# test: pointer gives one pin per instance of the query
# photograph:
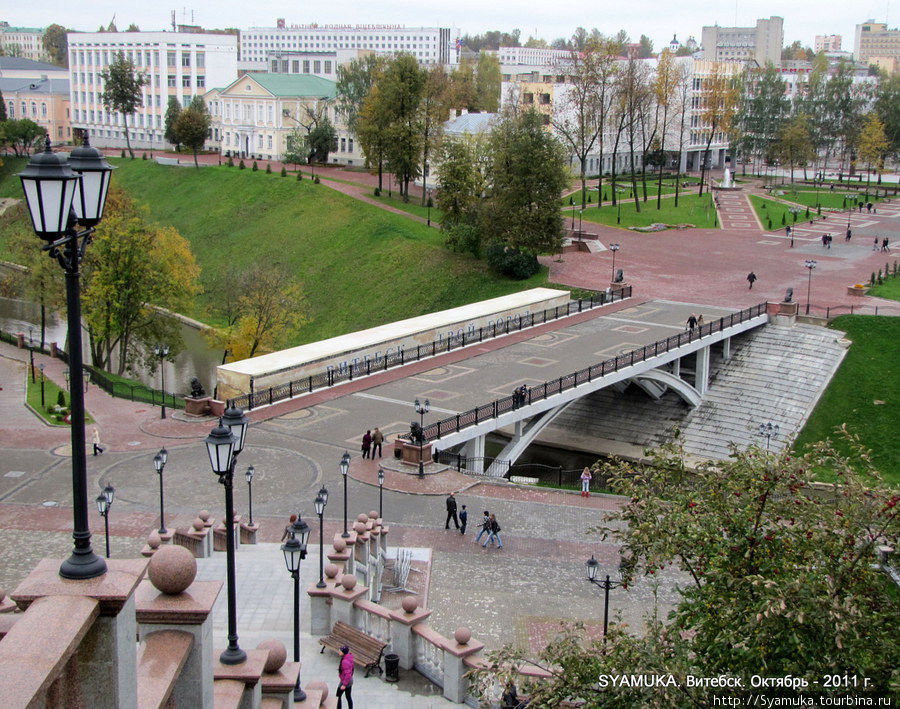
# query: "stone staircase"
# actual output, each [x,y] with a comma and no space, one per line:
[775,374]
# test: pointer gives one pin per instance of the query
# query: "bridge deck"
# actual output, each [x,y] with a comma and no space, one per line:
[489,374]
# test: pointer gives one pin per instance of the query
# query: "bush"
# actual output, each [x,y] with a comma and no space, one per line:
[61,399]
[377,192]
[143,156]
[316,179]
[241,165]
[229,162]
[511,262]
[299,176]
[783,219]
[122,154]
[464,238]
[268,169]
[768,222]
[255,166]
[283,171]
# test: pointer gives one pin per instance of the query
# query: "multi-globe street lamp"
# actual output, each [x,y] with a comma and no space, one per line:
[770,431]
[422,409]
[320,503]
[159,462]
[380,492]
[614,248]
[104,502]
[294,550]
[249,476]
[224,443]
[345,468]
[162,351]
[606,584]
[810,265]
[63,195]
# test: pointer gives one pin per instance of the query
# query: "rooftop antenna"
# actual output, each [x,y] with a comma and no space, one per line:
[174,25]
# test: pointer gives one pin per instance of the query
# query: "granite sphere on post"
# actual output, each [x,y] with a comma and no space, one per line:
[373,514]
[340,545]
[204,515]
[409,603]
[359,527]
[321,686]
[462,635]
[362,518]
[332,570]
[199,524]
[172,569]
[277,654]
[348,581]
[154,540]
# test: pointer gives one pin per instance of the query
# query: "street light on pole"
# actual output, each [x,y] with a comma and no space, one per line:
[320,502]
[294,550]
[61,196]
[162,351]
[421,409]
[614,248]
[249,476]
[810,265]
[345,468]
[224,444]
[104,502]
[41,366]
[380,492]
[31,352]
[606,584]
[159,462]
[770,431]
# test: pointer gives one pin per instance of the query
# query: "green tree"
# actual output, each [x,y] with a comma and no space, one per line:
[133,28]
[122,90]
[719,103]
[56,44]
[173,110]
[887,105]
[2,108]
[355,81]
[433,109]
[528,173]
[645,48]
[321,140]
[873,144]
[462,180]
[296,147]
[192,126]
[22,133]
[400,92]
[762,110]
[487,83]
[780,572]
[581,116]
[133,266]
[372,130]
[462,86]
[794,145]
[665,86]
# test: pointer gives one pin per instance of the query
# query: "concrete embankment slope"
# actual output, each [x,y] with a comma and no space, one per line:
[775,374]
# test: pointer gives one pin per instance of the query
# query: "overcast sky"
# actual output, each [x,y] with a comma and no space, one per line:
[659,19]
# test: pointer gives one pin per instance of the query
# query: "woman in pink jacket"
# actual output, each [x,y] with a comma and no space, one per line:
[345,677]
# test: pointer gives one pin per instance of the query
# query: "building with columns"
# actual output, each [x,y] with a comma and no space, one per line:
[25,42]
[178,64]
[44,101]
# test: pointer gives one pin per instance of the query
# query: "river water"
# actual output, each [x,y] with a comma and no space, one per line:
[196,360]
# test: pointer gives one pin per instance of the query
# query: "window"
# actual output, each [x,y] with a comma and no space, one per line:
[306,66]
[274,66]
[343,145]
[12,109]
[33,109]
[350,144]
[270,142]
[201,82]
[544,99]
[317,67]
[186,81]
[171,80]
[527,98]
[43,110]
[186,60]
[327,67]
[170,58]
[259,142]
[295,66]
[201,60]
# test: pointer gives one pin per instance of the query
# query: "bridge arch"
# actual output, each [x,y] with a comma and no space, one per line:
[688,393]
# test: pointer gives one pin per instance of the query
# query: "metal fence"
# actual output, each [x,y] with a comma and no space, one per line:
[832,311]
[473,417]
[554,475]
[331,377]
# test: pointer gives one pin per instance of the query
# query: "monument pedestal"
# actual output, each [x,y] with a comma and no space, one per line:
[411,454]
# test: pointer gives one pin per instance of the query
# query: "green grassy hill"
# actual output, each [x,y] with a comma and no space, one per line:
[360,266]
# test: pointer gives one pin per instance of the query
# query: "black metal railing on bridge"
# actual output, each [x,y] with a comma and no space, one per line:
[552,475]
[308,384]
[830,312]
[473,417]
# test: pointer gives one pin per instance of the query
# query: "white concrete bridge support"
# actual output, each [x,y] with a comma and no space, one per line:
[474,450]
[701,371]
[726,349]
[676,367]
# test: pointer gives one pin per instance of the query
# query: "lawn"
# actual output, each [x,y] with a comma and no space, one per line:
[863,395]
[776,215]
[889,289]
[360,265]
[692,209]
[414,206]
[827,198]
[51,394]
[624,191]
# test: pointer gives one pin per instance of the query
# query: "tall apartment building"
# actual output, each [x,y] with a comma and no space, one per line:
[876,44]
[827,43]
[177,64]
[430,45]
[761,44]
[26,42]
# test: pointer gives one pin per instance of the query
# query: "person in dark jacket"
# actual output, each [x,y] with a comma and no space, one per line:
[451,512]
[463,519]
[485,526]
[366,444]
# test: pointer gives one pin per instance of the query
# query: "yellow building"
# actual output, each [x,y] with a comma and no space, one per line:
[44,101]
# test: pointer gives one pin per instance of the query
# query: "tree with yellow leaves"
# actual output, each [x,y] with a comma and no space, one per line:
[719,100]
[873,145]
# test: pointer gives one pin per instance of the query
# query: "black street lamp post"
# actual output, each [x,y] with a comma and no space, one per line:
[162,351]
[294,550]
[62,195]
[380,493]
[810,265]
[606,584]
[422,409]
[104,502]
[770,431]
[614,248]
[42,385]
[159,462]
[31,353]
[345,468]
[224,444]
[249,476]
[320,503]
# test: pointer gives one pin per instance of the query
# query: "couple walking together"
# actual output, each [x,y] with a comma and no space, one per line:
[489,524]
[371,442]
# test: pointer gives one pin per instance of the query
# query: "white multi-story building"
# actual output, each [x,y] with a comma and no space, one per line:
[531,56]
[323,64]
[761,44]
[176,64]
[26,42]
[430,45]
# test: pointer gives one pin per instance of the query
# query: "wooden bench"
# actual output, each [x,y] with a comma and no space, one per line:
[366,649]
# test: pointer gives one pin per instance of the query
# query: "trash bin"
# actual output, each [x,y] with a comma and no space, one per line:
[392,667]
[398,451]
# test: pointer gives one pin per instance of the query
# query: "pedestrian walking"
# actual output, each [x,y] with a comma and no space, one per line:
[366,444]
[884,244]
[868,206]
[523,395]
[700,320]
[875,244]
[515,398]
[98,449]
[692,322]
[289,528]
[751,279]
[586,482]
[828,240]
[463,519]
[345,677]
[377,440]
[485,526]
[849,234]
[790,233]
[451,512]
[493,533]
[824,241]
